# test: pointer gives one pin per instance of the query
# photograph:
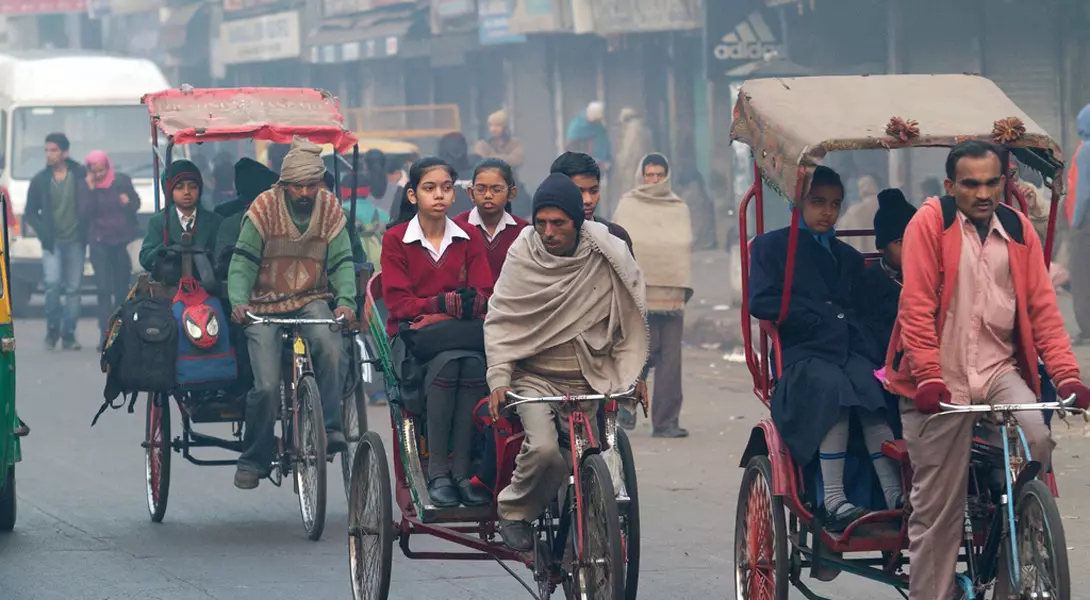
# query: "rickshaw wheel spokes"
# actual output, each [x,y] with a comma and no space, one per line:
[1042,546]
[310,457]
[157,455]
[370,521]
[760,546]
[600,570]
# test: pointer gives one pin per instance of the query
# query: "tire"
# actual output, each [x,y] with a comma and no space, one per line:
[630,518]
[309,460]
[8,502]
[759,526]
[157,455]
[1035,512]
[599,574]
[370,521]
[354,415]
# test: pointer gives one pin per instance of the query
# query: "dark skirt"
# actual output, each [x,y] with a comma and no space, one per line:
[808,399]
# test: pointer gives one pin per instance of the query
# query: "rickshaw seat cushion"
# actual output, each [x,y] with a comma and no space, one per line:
[896,449]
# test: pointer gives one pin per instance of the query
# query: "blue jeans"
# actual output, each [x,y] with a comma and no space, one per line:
[62,269]
[266,359]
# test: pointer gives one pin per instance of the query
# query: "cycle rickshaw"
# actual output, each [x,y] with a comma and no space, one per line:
[790,124]
[187,116]
[588,542]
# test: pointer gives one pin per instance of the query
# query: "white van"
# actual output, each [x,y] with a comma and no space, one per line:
[92,98]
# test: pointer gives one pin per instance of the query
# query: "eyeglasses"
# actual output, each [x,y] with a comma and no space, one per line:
[495,189]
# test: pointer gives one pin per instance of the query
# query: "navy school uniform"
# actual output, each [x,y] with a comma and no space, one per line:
[828,351]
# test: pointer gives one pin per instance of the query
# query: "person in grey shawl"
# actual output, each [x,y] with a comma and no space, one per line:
[568,316]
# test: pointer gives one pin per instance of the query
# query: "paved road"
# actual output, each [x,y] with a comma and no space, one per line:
[84,533]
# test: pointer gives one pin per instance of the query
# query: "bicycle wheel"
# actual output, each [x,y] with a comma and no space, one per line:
[760,537]
[309,461]
[157,455]
[1042,546]
[354,417]
[370,521]
[630,517]
[599,568]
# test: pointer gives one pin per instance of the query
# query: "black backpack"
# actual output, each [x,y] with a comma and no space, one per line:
[149,346]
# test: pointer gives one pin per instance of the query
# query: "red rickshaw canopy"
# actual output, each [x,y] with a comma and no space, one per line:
[191,115]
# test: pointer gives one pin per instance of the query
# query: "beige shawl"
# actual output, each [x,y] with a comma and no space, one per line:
[594,298]
[662,233]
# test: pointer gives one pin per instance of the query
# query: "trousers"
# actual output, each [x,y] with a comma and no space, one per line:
[265,346]
[666,333]
[940,462]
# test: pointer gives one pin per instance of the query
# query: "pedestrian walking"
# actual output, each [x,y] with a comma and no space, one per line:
[51,212]
[108,205]
[1077,202]
[661,230]
[587,134]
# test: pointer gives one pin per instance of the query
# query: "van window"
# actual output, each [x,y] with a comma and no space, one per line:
[121,131]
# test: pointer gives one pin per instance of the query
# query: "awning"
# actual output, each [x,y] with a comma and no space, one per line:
[172,32]
[368,35]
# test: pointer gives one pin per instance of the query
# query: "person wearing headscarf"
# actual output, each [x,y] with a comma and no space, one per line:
[108,206]
[500,144]
[567,316]
[662,235]
[293,258]
[587,133]
[183,213]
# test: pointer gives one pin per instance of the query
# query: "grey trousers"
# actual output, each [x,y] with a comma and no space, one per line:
[666,333]
[940,463]
[542,466]
[263,401]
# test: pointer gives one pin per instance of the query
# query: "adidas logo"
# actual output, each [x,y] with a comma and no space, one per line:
[751,39]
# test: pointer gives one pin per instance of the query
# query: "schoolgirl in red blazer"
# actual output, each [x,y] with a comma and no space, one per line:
[492,192]
[432,266]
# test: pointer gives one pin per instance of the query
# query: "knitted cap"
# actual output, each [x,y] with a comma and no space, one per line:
[252,179]
[894,213]
[179,171]
[560,191]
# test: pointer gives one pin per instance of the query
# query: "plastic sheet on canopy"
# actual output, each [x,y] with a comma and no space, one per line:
[272,114]
[791,123]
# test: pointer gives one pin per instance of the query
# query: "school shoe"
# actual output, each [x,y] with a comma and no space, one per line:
[70,343]
[844,515]
[443,493]
[335,443]
[246,480]
[473,494]
[517,535]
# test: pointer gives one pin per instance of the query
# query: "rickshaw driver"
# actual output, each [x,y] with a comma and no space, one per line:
[567,316]
[976,309]
[292,250]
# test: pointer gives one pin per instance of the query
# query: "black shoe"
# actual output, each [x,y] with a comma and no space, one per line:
[443,493]
[626,419]
[335,443]
[517,535]
[472,494]
[51,339]
[246,480]
[70,343]
[674,432]
[839,520]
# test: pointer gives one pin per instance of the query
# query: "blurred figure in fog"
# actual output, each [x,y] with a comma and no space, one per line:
[500,144]
[861,214]
[454,150]
[663,230]
[587,134]
[689,183]
[635,143]
[51,212]
[223,180]
[108,206]
[371,220]
[931,188]
[1078,199]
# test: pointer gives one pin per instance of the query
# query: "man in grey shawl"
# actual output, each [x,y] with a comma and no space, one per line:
[567,316]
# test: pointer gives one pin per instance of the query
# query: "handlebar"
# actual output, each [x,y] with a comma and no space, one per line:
[1063,406]
[569,399]
[256,320]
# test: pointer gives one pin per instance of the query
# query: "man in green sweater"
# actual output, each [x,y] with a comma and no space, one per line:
[292,258]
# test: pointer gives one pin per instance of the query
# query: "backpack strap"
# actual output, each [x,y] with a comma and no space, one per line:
[949,211]
[1008,218]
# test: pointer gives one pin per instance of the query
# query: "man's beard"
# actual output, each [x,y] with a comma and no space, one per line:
[303,204]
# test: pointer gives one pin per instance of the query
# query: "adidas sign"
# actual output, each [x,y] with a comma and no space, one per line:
[750,40]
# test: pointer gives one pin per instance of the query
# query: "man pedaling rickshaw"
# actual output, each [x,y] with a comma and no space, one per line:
[293,256]
[977,308]
[567,316]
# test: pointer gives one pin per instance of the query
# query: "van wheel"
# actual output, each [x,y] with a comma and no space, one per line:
[21,291]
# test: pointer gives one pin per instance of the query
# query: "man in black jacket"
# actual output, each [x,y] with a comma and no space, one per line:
[51,213]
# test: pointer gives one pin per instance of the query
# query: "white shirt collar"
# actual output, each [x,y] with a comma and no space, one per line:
[476,221]
[185,220]
[413,233]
